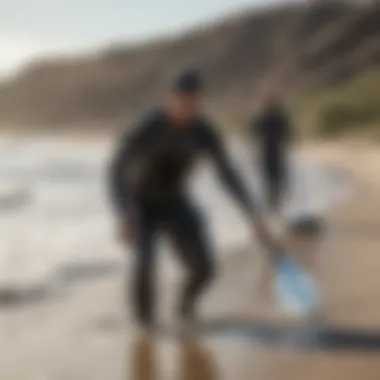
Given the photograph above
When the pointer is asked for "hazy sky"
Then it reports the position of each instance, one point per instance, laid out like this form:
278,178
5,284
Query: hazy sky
30,28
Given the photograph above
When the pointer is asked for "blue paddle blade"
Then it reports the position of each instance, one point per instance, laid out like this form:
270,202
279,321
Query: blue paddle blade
295,287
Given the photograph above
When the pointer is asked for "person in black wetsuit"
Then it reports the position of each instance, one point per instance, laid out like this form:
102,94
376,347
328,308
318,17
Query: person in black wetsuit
273,133
148,189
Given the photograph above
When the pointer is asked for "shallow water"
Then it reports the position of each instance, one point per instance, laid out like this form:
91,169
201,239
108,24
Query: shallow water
55,210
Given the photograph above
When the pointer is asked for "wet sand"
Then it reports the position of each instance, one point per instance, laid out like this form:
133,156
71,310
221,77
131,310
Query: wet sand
85,336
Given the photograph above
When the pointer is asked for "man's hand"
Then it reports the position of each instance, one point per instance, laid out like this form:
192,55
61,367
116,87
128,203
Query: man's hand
266,237
261,229
126,231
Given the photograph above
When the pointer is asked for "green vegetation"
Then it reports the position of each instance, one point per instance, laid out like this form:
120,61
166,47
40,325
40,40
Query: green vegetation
351,108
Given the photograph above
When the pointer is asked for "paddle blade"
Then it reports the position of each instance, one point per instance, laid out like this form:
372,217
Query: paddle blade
295,287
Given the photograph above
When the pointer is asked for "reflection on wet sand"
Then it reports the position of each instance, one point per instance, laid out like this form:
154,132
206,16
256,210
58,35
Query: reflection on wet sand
144,365
194,361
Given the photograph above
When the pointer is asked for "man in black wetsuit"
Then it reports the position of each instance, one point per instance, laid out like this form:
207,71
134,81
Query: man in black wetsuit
272,130
148,186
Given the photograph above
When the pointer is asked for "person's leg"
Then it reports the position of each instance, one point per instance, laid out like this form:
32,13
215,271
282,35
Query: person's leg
274,190
143,298
280,185
274,177
188,233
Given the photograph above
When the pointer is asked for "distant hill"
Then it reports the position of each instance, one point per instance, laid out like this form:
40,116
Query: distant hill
294,49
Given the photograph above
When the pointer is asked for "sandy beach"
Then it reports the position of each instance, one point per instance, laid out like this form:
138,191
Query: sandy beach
80,331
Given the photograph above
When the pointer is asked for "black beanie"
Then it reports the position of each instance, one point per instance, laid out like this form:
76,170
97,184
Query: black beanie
189,81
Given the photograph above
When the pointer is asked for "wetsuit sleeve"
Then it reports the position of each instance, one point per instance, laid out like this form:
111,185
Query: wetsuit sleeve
131,144
226,170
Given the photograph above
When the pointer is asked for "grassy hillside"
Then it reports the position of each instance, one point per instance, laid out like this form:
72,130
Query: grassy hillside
351,108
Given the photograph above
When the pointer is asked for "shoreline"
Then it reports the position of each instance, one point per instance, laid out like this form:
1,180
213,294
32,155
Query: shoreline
71,332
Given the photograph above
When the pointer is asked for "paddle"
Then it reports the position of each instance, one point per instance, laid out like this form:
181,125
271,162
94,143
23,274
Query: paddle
295,287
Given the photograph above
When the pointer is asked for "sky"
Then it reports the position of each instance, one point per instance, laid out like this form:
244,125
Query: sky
33,28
